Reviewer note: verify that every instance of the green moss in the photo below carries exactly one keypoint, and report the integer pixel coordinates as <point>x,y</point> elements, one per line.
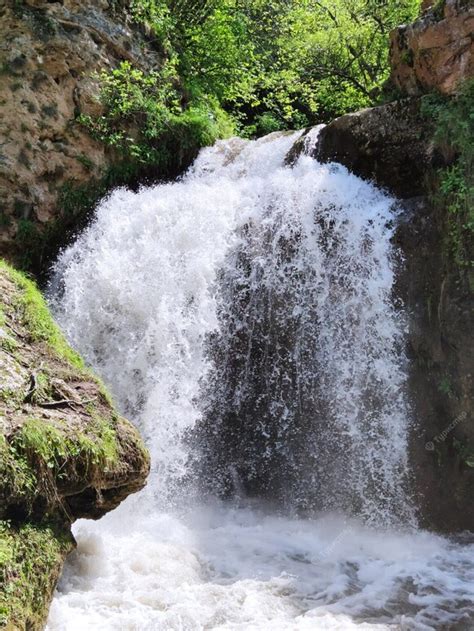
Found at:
<point>42,452</point>
<point>17,480</point>
<point>55,445</point>
<point>36,318</point>
<point>30,562</point>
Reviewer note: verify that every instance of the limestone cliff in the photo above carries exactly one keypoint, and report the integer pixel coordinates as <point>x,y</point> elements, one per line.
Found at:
<point>437,51</point>
<point>49,54</point>
<point>65,453</point>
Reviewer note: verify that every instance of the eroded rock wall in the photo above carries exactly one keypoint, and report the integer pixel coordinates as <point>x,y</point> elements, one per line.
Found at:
<point>49,53</point>
<point>437,51</point>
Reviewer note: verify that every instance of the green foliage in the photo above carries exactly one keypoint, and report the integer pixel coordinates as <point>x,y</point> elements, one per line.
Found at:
<point>324,58</point>
<point>145,121</point>
<point>264,124</point>
<point>252,66</point>
<point>454,118</point>
<point>17,479</point>
<point>30,561</point>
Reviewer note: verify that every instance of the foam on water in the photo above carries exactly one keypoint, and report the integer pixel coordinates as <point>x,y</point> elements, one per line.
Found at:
<point>239,568</point>
<point>146,294</point>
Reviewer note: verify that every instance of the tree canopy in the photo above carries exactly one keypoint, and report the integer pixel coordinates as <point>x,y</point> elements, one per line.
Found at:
<point>245,66</point>
<point>279,63</point>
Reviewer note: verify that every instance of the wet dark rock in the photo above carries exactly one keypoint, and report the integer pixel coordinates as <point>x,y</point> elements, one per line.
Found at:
<point>390,145</point>
<point>441,379</point>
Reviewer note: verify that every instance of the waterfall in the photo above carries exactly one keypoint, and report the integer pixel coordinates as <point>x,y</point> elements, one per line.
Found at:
<point>243,318</point>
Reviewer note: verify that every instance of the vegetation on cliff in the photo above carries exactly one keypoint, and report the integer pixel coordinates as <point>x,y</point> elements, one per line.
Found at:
<point>31,558</point>
<point>454,192</point>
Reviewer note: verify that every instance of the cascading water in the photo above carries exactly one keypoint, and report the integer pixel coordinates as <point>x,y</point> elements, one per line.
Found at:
<point>243,318</point>
<point>305,398</point>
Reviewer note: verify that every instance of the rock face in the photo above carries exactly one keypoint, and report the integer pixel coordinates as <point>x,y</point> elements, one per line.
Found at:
<point>441,378</point>
<point>49,52</point>
<point>393,145</point>
<point>65,453</point>
<point>437,51</point>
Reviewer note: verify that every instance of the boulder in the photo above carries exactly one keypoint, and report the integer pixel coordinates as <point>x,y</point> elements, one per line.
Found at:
<point>391,144</point>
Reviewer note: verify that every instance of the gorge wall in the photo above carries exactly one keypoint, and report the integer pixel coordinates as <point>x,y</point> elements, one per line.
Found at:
<point>394,145</point>
<point>51,169</point>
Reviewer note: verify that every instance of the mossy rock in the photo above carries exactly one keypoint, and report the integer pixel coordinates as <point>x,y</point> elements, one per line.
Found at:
<point>65,453</point>
<point>31,558</point>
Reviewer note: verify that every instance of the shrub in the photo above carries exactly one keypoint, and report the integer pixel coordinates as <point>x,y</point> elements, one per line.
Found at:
<point>454,118</point>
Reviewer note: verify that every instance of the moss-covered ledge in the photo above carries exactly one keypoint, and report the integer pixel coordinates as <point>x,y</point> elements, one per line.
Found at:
<point>64,451</point>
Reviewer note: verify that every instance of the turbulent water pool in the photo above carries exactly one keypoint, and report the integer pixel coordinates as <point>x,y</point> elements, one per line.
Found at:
<point>243,317</point>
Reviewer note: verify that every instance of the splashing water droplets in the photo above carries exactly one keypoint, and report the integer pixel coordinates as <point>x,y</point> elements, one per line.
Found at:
<point>243,318</point>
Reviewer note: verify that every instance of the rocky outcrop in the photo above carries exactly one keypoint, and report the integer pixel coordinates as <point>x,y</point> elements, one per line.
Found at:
<point>49,54</point>
<point>437,51</point>
<point>440,348</point>
<point>65,453</point>
<point>395,146</point>
<point>391,145</point>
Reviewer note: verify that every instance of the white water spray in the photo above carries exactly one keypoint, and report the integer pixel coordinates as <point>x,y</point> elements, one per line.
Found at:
<point>243,318</point>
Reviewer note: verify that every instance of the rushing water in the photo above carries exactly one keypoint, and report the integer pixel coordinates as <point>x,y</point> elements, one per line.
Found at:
<point>243,317</point>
